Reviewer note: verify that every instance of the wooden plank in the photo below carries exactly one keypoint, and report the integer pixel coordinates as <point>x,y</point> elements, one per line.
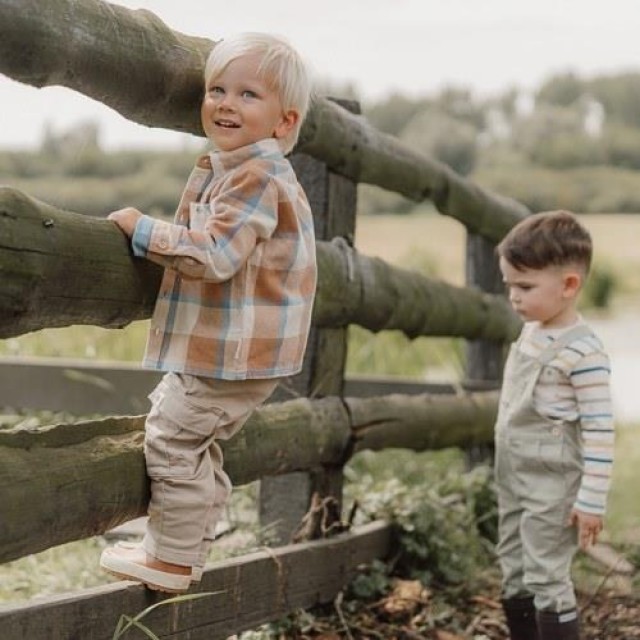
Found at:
<point>79,387</point>
<point>83,387</point>
<point>96,468</point>
<point>422,422</point>
<point>253,589</point>
<point>485,358</point>
<point>374,386</point>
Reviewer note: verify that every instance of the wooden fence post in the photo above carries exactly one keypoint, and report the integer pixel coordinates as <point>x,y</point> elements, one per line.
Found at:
<point>484,359</point>
<point>285,499</point>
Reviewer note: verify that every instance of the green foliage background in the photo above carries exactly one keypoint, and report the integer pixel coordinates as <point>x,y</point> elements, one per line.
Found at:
<point>573,143</point>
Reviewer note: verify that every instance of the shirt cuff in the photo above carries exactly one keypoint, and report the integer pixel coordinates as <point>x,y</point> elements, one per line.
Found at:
<point>142,236</point>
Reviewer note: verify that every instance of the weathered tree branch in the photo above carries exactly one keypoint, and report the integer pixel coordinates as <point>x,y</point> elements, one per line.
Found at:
<point>357,289</point>
<point>59,268</point>
<point>132,62</point>
<point>96,469</point>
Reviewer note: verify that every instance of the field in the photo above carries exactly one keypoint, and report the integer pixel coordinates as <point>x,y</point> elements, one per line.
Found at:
<point>427,236</point>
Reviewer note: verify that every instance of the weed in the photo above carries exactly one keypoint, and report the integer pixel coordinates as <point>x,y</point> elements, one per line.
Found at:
<point>127,622</point>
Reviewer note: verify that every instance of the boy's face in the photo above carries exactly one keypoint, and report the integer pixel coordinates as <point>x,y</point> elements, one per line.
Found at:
<point>546,295</point>
<point>240,108</point>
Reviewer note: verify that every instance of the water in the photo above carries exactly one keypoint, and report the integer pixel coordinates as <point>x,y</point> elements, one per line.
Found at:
<point>620,334</point>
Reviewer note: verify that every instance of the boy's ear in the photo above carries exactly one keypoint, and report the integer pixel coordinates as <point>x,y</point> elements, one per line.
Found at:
<point>287,122</point>
<point>572,283</point>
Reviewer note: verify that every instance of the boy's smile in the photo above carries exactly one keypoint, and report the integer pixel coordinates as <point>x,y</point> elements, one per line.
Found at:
<point>240,107</point>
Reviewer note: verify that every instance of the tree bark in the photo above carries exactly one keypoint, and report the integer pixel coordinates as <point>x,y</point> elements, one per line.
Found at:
<point>357,289</point>
<point>152,75</point>
<point>59,268</point>
<point>422,422</point>
<point>87,477</point>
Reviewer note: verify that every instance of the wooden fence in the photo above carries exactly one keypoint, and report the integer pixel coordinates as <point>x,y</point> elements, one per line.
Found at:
<point>67,482</point>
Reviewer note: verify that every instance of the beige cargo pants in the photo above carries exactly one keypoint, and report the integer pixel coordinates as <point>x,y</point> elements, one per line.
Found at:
<point>189,488</point>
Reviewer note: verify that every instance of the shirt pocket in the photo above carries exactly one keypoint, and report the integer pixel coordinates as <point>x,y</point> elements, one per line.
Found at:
<point>198,215</point>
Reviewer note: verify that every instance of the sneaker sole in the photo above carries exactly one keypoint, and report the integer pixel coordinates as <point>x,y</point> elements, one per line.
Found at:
<point>152,578</point>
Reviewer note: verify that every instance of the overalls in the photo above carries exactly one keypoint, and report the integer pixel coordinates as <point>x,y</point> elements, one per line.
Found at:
<point>538,470</point>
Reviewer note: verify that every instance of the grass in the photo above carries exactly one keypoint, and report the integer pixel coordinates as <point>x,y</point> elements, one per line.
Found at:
<point>87,342</point>
<point>623,518</point>
<point>57,570</point>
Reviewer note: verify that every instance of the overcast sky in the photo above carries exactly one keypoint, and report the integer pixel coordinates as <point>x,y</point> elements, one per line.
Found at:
<point>380,46</point>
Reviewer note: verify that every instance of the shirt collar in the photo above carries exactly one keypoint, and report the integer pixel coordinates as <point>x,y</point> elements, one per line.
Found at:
<point>223,161</point>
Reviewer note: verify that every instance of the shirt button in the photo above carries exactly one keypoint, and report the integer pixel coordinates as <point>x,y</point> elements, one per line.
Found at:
<point>555,431</point>
<point>163,244</point>
<point>156,331</point>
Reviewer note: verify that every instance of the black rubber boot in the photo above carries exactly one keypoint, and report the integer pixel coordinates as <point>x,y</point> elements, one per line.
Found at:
<point>521,618</point>
<point>558,626</point>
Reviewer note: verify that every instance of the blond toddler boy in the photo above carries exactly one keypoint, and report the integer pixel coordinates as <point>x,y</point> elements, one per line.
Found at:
<point>233,310</point>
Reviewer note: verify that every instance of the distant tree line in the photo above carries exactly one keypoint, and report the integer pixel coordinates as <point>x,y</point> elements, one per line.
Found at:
<point>573,143</point>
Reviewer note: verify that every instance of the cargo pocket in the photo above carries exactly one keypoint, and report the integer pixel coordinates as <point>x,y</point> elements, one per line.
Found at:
<point>176,435</point>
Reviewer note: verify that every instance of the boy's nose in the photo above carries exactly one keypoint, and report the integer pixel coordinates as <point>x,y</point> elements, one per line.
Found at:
<point>227,103</point>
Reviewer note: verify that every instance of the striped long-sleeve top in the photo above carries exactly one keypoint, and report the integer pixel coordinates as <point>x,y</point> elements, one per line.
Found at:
<point>240,269</point>
<point>575,387</point>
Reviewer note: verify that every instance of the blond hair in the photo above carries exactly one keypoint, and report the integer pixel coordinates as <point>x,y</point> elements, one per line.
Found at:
<point>281,67</point>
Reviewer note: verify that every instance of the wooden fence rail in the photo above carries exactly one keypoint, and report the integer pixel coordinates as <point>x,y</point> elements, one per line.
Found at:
<point>98,466</point>
<point>61,268</point>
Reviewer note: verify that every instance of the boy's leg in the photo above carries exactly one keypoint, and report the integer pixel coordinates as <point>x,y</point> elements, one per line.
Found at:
<point>509,548</point>
<point>558,626</point>
<point>549,547</point>
<point>548,575</point>
<point>240,400</point>
<point>186,415</point>
<point>521,618</point>
<point>221,494</point>
<point>517,600</point>
<point>178,434</point>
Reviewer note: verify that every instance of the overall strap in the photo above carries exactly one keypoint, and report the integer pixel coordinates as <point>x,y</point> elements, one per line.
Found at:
<point>553,349</point>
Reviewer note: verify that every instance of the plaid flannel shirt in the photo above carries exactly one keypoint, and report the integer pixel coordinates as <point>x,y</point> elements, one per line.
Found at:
<point>240,269</point>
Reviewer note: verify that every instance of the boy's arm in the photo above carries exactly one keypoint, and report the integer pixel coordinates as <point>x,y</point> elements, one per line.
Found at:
<point>591,382</point>
<point>244,213</point>
<point>127,219</point>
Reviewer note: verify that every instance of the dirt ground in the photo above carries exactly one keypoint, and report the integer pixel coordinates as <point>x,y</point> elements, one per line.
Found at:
<point>411,612</point>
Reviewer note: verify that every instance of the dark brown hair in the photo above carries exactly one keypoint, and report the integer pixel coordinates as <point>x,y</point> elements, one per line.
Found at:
<point>545,239</point>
